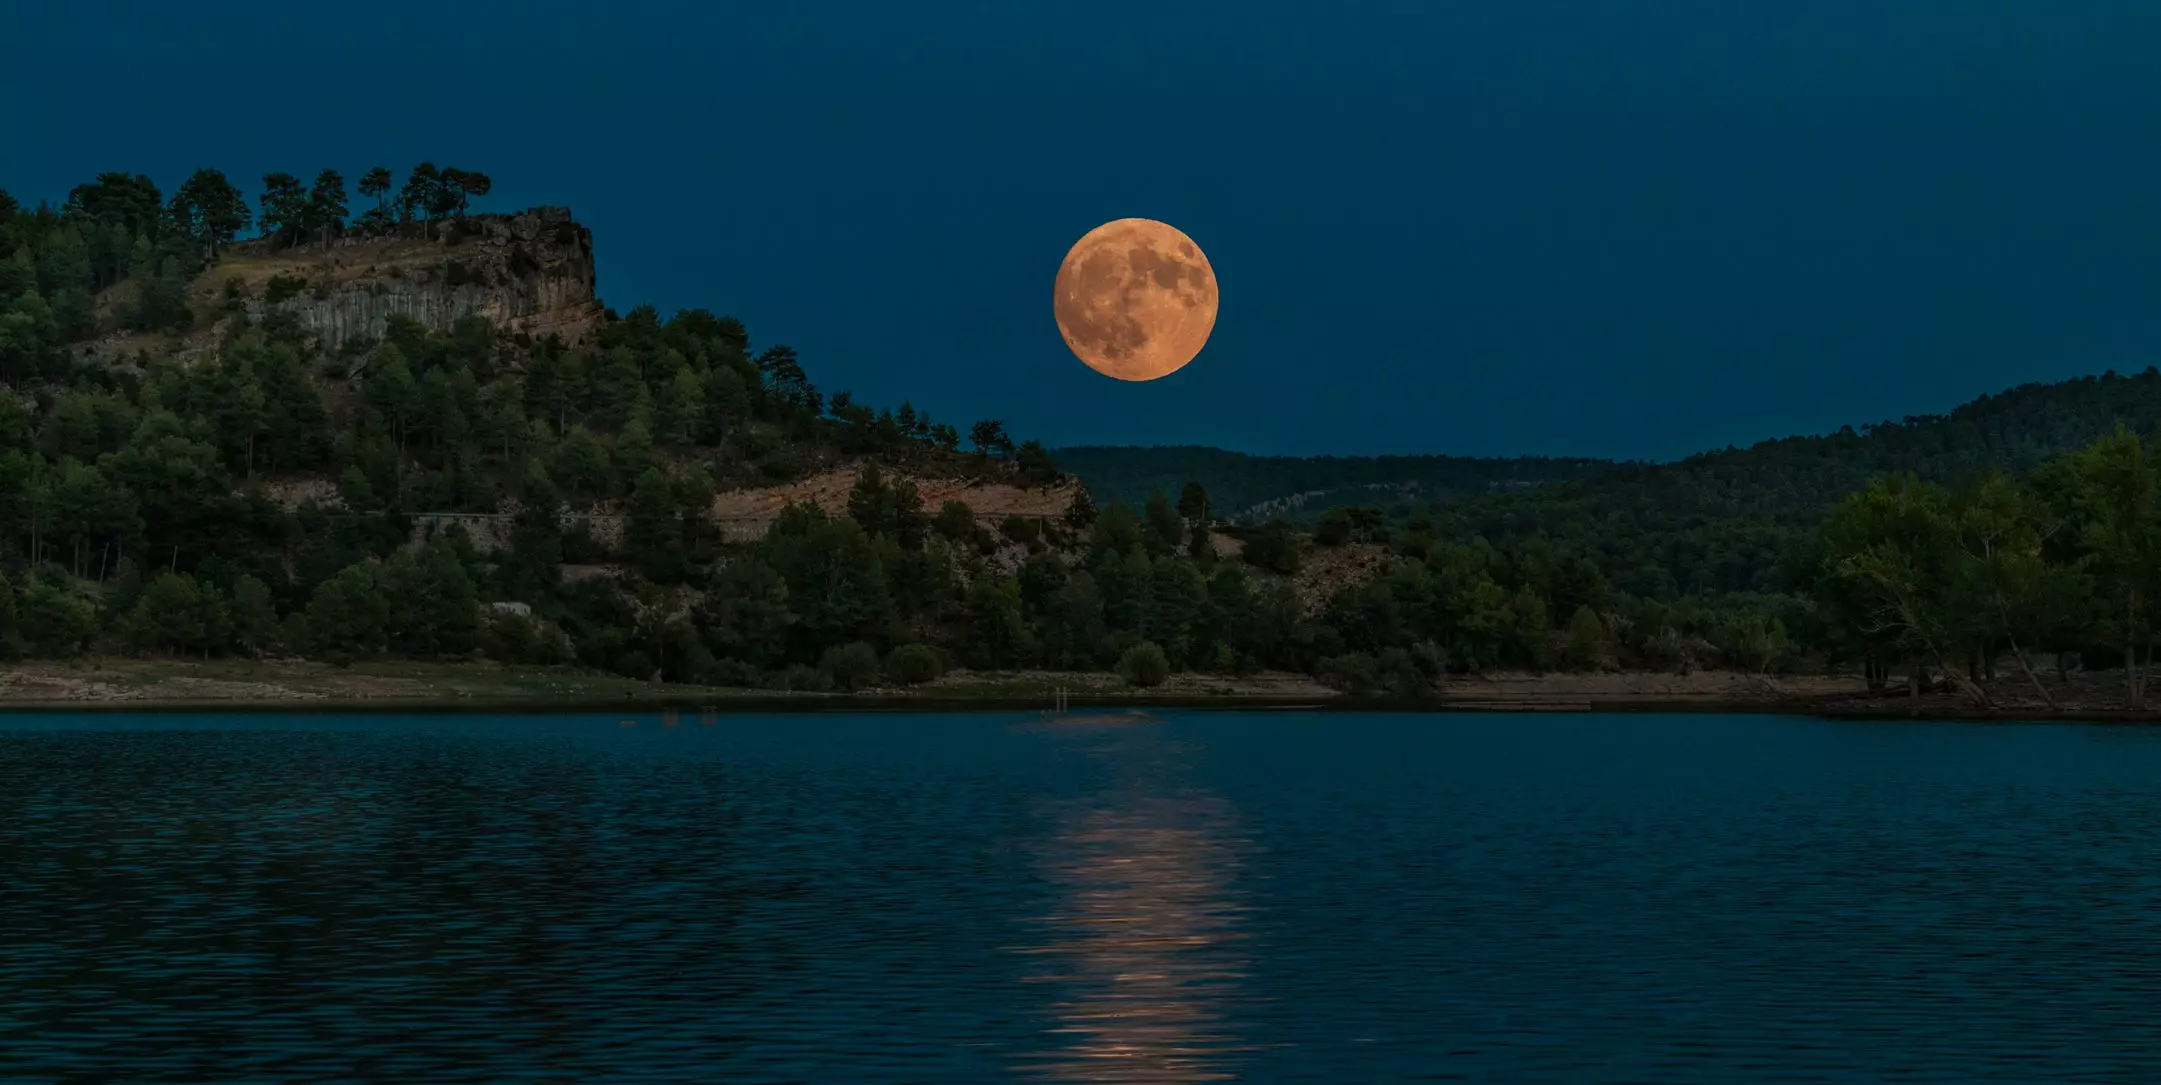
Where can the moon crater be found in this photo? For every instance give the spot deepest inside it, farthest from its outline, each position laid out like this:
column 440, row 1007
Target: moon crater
column 1135, row 299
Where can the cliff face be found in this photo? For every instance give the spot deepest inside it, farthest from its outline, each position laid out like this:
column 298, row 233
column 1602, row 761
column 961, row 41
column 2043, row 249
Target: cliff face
column 529, row 273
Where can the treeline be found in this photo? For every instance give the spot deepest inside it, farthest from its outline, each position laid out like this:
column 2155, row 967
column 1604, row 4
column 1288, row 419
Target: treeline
column 55, row 262
column 1300, row 488
column 2066, row 560
column 1941, row 581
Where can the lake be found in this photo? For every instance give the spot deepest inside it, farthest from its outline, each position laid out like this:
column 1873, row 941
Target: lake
column 1264, row 896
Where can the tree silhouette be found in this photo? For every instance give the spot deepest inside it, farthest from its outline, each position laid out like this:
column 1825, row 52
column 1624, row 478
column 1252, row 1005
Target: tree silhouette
column 989, row 436
column 284, row 207
column 326, row 206
column 209, row 210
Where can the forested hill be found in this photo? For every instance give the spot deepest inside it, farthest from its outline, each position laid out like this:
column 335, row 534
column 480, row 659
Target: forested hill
column 1721, row 521
column 1301, row 488
column 1740, row 519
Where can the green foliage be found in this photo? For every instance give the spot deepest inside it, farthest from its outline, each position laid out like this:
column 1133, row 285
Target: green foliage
column 254, row 615
column 284, row 207
column 324, row 214
column 1033, row 465
column 1353, row 672
column 1272, row 546
column 55, row 621
column 177, row 615
column 281, row 287
column 347, row 615
column 1144, row 665
column 1251, row 488
column 997, row 631
column 209, row 211
column 1587, row 640
column 914, row 664
column 849, row 666
column 989, row 438
column 1351, row 524
column 955, row 521
column 1163, row 530
column 12, row 644
column 1080, row 513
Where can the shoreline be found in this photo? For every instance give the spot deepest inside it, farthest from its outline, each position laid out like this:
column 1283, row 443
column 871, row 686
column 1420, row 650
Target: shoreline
column 816, row 704
column 173, row 687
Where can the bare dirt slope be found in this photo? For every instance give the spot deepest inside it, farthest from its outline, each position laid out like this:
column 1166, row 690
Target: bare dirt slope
column 1324, row 570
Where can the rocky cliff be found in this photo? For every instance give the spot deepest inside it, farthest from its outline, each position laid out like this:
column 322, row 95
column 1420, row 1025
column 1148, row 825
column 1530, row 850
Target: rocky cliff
column 529, row 273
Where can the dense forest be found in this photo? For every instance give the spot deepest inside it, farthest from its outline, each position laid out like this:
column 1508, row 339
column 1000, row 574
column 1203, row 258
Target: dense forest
column 1300, row 488
column 148, row 506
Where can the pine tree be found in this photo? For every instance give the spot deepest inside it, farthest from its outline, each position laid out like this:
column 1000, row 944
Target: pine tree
column 255, row 616
column 377, row 184
column 284, row 205
column 326, row 206
column 210, row 211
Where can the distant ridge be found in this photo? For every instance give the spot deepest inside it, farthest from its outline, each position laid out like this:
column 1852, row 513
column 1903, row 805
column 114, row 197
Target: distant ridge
column 1784, row 480
column 1248, row 487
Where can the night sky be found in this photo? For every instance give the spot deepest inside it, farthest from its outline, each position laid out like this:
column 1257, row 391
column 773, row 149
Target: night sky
column 1578, row 228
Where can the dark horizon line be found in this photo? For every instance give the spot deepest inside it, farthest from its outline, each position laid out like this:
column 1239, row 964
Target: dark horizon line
column 1862, row 428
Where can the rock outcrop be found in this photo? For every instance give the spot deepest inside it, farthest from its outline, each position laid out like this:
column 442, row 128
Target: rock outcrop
column 529, row 273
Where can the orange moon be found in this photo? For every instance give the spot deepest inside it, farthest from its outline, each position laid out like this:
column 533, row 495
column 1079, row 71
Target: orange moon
column 1135, row 299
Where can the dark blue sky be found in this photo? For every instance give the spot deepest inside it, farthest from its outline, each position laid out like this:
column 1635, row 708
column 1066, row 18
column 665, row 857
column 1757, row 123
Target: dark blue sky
column 1585, row 227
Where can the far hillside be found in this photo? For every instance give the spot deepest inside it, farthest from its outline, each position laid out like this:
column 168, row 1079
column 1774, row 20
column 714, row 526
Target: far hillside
column 1740, row 519
column 1715, row 522
column 1300, row 488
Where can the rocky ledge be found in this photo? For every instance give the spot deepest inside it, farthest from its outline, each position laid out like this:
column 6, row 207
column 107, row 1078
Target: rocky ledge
column 528, row 273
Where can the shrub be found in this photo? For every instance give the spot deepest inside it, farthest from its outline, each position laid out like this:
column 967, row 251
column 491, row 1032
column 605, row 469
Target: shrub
column 1021, row 529
column 1404, row 674
column 1358, row 523
column 849, row 666
column 1352, row 672
column 728, row 672
column 281, row 287
column 1144, row 665
column 1272, row 546
column 1586, row 640
column 914, row 664
column 779, row 465
column 955, row 521
column 803, row 678
column 520, row 639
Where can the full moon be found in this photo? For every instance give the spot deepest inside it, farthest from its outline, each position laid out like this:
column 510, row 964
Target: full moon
column 1135, row 299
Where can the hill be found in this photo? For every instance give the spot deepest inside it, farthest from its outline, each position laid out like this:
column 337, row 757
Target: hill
column 1738, row 519
column 418, row 433
column 1253, row 488
column 1722, row 521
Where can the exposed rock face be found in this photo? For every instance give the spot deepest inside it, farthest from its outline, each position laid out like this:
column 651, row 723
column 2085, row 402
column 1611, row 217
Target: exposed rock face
column 530, row 273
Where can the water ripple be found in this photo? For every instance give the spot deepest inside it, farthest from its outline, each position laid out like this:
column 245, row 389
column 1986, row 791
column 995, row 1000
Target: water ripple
column 1194, row 898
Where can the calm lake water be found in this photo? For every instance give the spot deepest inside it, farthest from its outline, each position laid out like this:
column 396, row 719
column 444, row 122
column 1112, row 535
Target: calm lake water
column 983, row 898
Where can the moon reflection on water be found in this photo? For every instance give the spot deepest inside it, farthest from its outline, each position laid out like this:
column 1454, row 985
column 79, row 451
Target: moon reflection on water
column 1141, row 951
